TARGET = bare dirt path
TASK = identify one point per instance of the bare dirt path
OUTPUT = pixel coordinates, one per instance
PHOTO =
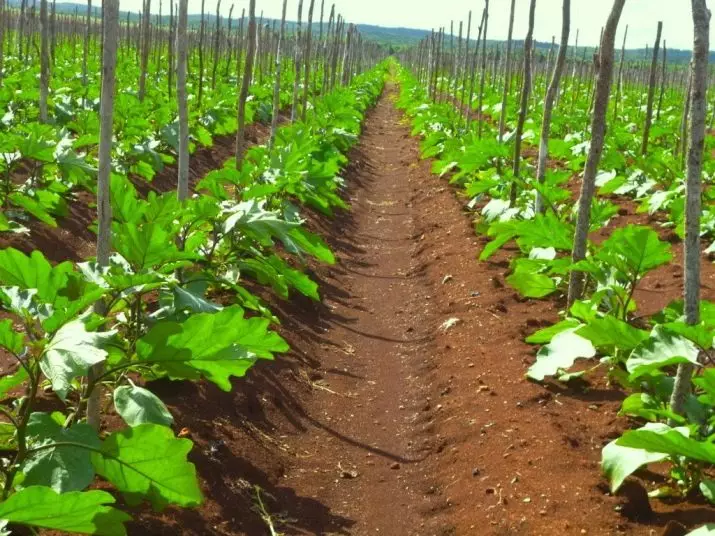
(368, 448)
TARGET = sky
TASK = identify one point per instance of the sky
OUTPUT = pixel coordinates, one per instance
(588, 16)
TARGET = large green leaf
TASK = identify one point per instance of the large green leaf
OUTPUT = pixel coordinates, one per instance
(648, 407)
(138, 406)
(618, 462)
(608, 332)
(545, 230)
(148, 461)
(274, 271)
(560, 354)
(544, 336)
(300, 240)
(532, 285)
(663, 348)
(217, 346)
(63, 468)
(670, 441)
(85, 512)
(33, 272)
(146, 246)
(701, 334)
(250, 217)
(498, 241)
(71, 353)
(634, 250)
(33, 207)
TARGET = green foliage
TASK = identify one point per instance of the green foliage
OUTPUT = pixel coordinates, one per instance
(147, 461)
(85, 512)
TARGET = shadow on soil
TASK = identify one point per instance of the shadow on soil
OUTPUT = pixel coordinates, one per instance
(230, 428)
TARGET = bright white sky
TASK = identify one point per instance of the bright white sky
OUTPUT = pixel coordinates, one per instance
(588, 16)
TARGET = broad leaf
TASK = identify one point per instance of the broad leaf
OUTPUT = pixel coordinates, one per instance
(670, 441)
(85, 512)
(544, 336)
(146, 246)
(634, 250)
(138, 406)
(531, 285)
(619, 462)
(663, 348)
(700, 334)
(647, 407)
(560, 354)
(63, 468)
(187, 299)
(71, 353)
(608, 333)
(33, 272)
(148, 461)
(217, 346)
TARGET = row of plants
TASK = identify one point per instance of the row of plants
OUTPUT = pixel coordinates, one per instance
(638, 354)
(43, 164)
(171, 304)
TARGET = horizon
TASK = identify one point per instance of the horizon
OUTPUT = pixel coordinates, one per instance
(641, 17)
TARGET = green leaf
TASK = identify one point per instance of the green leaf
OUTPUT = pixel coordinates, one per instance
(700, 334)
(85, 512)
(217, 346)
(707, 488)
(299, 240)
(148, 461)
(619, 462)
(33, 272)
(544, 336)
(8, 438)
(634, 250)
(10, 339)
(71, 353)
(663, 348)
(75, 167)
(608, 332)
(146, 246)
(126, 207)
(532, 285)
(560, 354)
(9, 382)
(276, 272)
(63, 468)
(647, 407)
(669, 441)
(706, 382)
(187, 299)
(493, 246)
(545, 230)
(33, 207)
(584, 310)
(250, 217)
(137, 406)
